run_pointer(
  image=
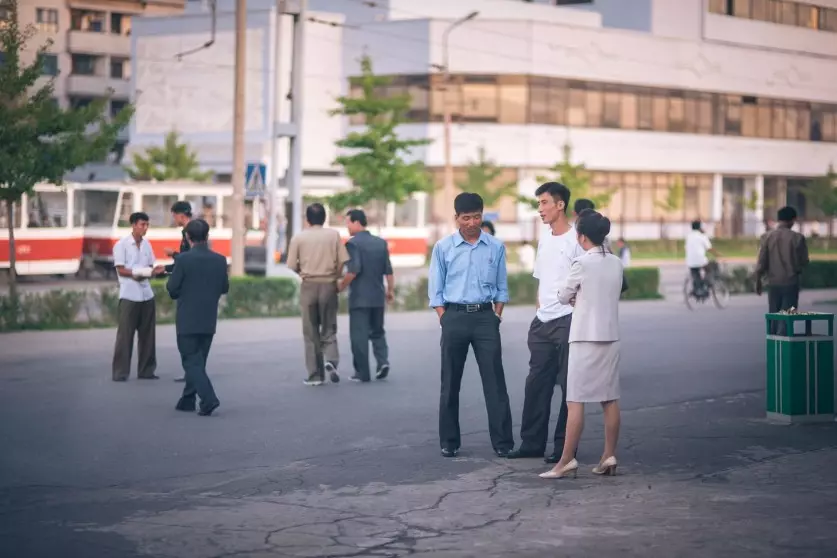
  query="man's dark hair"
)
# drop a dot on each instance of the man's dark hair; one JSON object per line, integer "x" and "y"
{"x": 357, "y": 216}
{"x": 197, "y": 230}
{"x": 557, "y": 190}
{"x": 315, "y": 214}
{"x": 138, "y": 216}
{"x": 594, "y": 226}
{"x": 467, "y": 202}
{"x": 787, "y": 214}
{"x": 182, "y": 208}
{"x": 490, "y": 226}
{"x": 695, "y": 225}
{"x": 583, "y": 203}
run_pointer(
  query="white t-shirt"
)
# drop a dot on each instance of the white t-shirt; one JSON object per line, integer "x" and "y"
{"x": 697, "y": 244}
{"x": 128, "y": 254}
{"x": 552, "y": 266}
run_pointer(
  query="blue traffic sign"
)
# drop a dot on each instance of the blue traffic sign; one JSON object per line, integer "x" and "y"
{"x": 256, "y": 179}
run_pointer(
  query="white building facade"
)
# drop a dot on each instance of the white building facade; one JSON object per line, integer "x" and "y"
{"x": 734, "y": 99}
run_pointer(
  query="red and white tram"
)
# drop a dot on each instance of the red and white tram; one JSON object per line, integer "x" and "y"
{"x": 63, "y": 230}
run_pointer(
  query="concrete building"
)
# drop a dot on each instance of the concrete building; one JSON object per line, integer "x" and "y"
{"x": 734, "y": 99}
{"x": 91, "y": 53}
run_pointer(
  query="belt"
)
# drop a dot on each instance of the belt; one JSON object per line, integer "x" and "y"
{"x": 469, "y": 308}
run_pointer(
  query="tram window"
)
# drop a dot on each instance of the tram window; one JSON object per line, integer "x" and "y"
{"x": 158, "y": 209}
{"x": 94, "y": 208}
{"x": 126, "y": 209}
{"x": 203, "y": 207}
{"x": 4, "y": 215}
{"x": 406, "y": 214}
{"x": 48, "y": 209}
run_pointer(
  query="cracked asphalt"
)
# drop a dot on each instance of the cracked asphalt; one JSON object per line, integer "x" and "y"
{"x": 92, "y": 468}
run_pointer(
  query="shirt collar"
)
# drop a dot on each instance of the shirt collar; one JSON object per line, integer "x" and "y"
{"x": 459, "y": 239}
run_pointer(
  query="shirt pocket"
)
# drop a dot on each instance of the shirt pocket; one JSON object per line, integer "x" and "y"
{"x": 488, "y": 271}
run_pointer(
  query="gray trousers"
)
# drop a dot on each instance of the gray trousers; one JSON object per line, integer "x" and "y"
{"x": 140, "y": 317}
{"x": 365, "y": 325}
{"x": 318, "y": 303}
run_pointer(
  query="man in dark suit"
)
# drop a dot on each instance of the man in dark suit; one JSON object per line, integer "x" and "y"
{"x": 181, "y": 214}
{"x": 368, "y": 267}
{"x": 197, "y": 283}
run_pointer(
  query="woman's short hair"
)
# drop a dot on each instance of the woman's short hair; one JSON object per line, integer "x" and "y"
{"x": 593, "y": 225}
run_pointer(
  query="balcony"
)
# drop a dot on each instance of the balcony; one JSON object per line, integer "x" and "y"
{"x": 97, "y": 86}
{"x": 99, "y": 43}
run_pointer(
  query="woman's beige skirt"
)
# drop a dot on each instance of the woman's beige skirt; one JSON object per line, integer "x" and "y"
{"x": 593, "y": 372}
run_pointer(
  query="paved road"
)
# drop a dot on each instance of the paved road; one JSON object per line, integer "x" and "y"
{"x": 94, "y": 468}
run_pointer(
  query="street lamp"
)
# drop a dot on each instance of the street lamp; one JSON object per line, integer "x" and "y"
{"x": 448, "y": 176}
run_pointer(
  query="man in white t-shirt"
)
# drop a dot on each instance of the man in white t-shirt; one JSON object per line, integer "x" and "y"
{"x": 133, "y": 259}
{"x": 550, "y": 330}
{"x": 697, "y": 245}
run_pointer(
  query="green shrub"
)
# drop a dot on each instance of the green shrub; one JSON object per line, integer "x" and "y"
{"x": 249, "y": 297}
{"x": 820, "y": 275}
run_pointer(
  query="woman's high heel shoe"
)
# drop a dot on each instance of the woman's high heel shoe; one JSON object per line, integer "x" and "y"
{"x": 606, "y": 467}
{"x": 567, "y": 470}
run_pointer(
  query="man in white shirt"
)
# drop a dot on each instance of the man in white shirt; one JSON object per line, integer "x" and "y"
{"x": 134, "y": 263}
{"x": 697, "y": 245}
{"x": 550, "y": 330}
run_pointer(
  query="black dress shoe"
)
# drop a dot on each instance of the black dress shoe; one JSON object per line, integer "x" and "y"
{"x": 503, "y": 452}
{"x": 181, "y": 379}
{"x": 524, "y": 454}
{"x": 152, "y": 377}
{"x": 207, "y": 411}
{"x": 383, "y": 372}
{"x": 553, "y": 458}
{"x": 186, "y": 406}
{"x": 449, "y": 452}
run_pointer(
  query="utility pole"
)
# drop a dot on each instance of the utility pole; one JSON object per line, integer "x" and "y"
{"x": 448, "y": 175}
{"x": 238, "y": 172}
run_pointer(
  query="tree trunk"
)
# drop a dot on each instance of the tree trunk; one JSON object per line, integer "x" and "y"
{"x": 10, "y": 209}
{"x": 382, "y": 217}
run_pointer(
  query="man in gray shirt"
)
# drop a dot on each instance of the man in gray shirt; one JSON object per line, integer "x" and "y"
{"x": 368, "y": 266}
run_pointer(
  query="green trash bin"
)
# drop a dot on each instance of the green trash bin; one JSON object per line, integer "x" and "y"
{"x": 800, "y": 369}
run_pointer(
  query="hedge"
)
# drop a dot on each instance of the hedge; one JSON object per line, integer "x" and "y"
{"x": 249, "y": 297}
{"x": 819, "y": 274}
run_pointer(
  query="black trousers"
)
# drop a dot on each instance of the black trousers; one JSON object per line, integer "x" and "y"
{"x": 365, "y": 325}
{"x": 698, "y": 282}
{"x": 548, "y": 359}
{"x": 480, "y": 330}
{"x": 194, "y": 350}
{"x": 781, "y": 297}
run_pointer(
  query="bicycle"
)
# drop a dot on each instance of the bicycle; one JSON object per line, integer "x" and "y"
{"x": 715, "y": 286}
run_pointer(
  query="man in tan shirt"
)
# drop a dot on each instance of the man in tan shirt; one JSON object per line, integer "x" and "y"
{"x": 318, "y": 255}
{"x": 782, "y": 257}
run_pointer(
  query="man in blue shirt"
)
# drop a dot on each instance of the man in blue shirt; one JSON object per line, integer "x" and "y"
{"x": 468, "y": 288}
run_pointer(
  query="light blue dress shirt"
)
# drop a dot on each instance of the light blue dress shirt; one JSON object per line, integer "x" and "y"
{"x": 463, "y": 273}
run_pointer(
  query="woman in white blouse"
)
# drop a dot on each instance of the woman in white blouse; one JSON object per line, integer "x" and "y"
{"x": 594, "y": 287}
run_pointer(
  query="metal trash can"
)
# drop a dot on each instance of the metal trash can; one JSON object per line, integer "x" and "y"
{"x": 800, "y": 369}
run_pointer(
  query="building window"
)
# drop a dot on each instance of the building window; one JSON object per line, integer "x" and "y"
{"x": 480, "y": 102}
{"x": 117, "y": 106}
{"x": 46, "y": 19}
{"x": 81, "y": 102}
{"x": 87, "y": 20}
{"x": 49, "y": 65}
{"x": 5, "y": 16}
{"x": 84, "y": 64}
{"x": 513, "y": 98}
{"x": 120, "y": 24}
{"x": 785, "y": 12}
{"x": 120, "y": 68}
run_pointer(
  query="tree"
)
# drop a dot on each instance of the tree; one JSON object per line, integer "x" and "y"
{"x": 376, "y": 157}
{"x": 39, "y": 141}
{"x": 481, "y": 177}
{"x": 574, "y": 177}
{"x": 822, "y": 193}
{"x": 672, "y": 203}
{"x": 172, "y": 161}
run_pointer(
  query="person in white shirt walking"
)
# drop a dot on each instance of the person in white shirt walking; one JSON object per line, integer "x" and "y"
{"x": 697, "y": 245}
{"x": 133, "y": 259}
{"x": 549, "y": 332}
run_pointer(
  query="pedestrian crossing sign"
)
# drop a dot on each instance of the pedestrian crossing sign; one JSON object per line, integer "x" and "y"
{"x": 255, "y": 181}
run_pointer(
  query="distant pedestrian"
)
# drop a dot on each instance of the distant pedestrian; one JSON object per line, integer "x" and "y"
{"x": 197, "y": 284}
{"x": 468, "y": 288}
{"x": 369, "y": 266}
{"x": 318, "y": 255}
{"x": 133, "y": 259}
{"x": 181, "y": 213}
{"x": 697, "y": 246}
{"x": 527, "y": 254}
{"x": 624, "y": 252}
{"x": 582, "y": 204}
{"x": 594, "y": 287}
{"x": 488, "y": 228}
{"x": 782, "y": 258}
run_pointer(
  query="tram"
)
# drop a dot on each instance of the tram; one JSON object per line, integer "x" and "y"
{"x": 71, "y": 230}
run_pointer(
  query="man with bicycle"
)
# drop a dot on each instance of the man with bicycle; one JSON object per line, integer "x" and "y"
{"x": 697, "y": 245}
